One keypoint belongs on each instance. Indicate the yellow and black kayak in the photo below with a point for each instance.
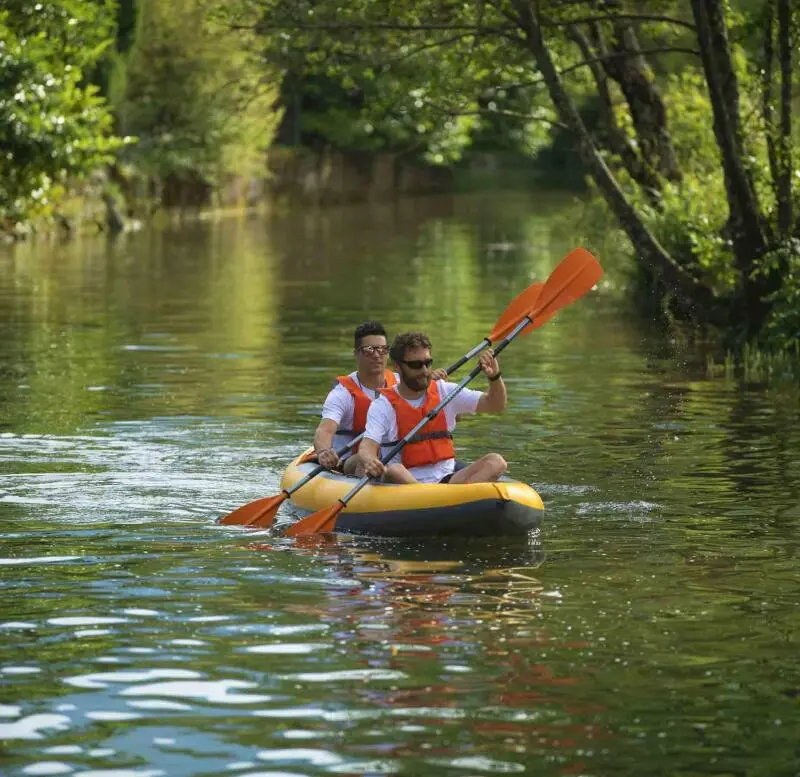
(477, 509)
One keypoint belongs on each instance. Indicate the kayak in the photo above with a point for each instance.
(391, 510)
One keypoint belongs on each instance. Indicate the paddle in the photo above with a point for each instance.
(518, 308)
(575, 275)
(261, 512)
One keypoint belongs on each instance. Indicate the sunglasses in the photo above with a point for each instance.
(371, 350)
(417, 364)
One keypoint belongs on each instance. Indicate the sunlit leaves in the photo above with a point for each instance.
(52, 125)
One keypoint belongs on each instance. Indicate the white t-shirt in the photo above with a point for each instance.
(339, 406)
(382, 426)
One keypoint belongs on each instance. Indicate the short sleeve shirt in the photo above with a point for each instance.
(382, 426)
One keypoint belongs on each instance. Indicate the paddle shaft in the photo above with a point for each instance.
(435, 411)
(467, 356)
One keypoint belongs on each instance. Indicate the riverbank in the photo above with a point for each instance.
(121, 199)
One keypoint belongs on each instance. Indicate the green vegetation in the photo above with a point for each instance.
(192, 91)
(53, 125)
(157, 87)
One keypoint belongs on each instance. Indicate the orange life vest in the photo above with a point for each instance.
(433, 442)
(361, 403)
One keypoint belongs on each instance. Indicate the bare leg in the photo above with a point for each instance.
(486, 469)
(397, 473)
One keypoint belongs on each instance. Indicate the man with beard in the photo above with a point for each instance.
(430, 456)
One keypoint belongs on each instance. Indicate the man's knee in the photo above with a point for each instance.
(397, 473)
(496, 463)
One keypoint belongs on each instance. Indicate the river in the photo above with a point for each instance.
(153, 383)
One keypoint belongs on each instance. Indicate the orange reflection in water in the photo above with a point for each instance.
(431, 618)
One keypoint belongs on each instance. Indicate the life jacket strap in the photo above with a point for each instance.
(421, 438)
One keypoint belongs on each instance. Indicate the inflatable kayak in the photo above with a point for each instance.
(477, 509)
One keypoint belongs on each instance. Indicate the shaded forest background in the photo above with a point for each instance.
(678, 119)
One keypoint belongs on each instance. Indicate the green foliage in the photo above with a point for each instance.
(782, 329)
(412, 78)
(196, 96)
(53, 126)
(689, 216)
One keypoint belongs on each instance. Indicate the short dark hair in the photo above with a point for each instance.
(405, 341)
(366, 329)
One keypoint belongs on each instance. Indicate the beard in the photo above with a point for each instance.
(417, 382)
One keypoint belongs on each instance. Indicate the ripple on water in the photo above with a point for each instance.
(43, 768)
(214, 691)
(131, 467)
(34, 726)
(104, 679)
(36, 560)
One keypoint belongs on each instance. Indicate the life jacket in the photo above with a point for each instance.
(433, 442)
(361, 403)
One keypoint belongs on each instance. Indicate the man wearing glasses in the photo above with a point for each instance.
(344, 413)
(430, 458)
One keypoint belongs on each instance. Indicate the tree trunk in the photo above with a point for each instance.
(618, 141)
(631, 71)
(654, 257)
(785, 142)
(746, 225)
(766, 93)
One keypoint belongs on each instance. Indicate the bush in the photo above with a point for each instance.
(53, 126)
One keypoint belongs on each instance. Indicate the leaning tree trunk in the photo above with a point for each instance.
(655, 258)
(618, 141)
(785, 143)
(631, 71)
(767, 110)
(746, 224)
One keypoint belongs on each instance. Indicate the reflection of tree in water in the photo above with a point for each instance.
(464, 623)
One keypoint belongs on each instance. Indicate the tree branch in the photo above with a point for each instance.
(595, 60)
(615, 17)
(382, 26)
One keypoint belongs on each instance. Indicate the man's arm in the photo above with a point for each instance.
(493, 400)
(323, 437)
(323, 441)
(370, 453)
(370, 448)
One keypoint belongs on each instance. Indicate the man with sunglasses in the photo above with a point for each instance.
(344, 412)
(430, 457)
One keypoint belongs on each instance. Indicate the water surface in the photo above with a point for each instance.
(151, 384)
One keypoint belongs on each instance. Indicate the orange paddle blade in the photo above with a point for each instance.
(259, 513)
(318, 522)
(575, 275)
(518, 308)
(525, 303)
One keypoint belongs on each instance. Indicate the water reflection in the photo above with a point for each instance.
(468, 617)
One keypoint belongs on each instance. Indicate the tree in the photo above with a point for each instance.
(53, 125)
(198, 99)
(722, 259)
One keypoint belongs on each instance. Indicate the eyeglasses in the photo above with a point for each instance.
(417, 364)
(372, 350)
